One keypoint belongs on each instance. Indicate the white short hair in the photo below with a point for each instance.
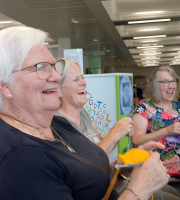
(15, 44)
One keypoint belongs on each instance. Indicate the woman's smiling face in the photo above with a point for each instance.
(29, 92)
(73, 87)
(168, 92)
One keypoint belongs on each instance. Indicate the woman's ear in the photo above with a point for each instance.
(5, 90)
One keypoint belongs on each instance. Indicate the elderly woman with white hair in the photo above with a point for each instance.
(157, 118)
(73, 98)
(40, 160)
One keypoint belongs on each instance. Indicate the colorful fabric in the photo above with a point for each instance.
(159, 118)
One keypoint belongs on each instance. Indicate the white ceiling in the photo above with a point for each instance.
(106, 21)
(123, 11)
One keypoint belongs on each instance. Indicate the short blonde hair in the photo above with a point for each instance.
(152, 90)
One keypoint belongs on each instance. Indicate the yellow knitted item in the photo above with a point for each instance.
(134, 156)
(130, 157)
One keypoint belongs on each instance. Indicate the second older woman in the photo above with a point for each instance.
(72, 101)
(157, 118)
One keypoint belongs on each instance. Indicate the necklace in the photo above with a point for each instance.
(42, 135)
(62, 141)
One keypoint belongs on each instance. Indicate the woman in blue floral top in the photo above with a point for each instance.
(157, 118)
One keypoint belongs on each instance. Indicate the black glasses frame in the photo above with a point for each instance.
(177, 81)
(50, 71)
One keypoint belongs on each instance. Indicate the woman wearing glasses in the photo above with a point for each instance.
(157, 118)
(40, 161)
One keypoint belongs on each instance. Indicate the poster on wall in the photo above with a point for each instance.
(76, 55)
(99, 115)
(101, 105)
(126, 95)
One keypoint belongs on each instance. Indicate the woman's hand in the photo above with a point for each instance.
(122, 127)
(173, 129)
(149, 146)
(149, 177)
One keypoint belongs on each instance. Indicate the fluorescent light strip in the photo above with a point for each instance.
(149, 12)
(145, 47)
(144, 54)
(154, 36)
(175, 63)
(150, 65)
(5, 22)
(156, 29)
(149, 58)
(149, 49)
(46, 43)
(148, 21)
(149, 61)
(150, 41)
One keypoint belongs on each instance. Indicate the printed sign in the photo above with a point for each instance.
(99, 115)
(126, 95)
(76, 55)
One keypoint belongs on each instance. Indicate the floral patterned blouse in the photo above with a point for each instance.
(159, 118)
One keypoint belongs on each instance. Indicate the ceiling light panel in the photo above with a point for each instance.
(155, 29)
(153, 36)
(5, 22)
(144, 54)
(150, 65)
(146, 41)
(148, 58)
(145, 47)
(149, 21)
(149, 12)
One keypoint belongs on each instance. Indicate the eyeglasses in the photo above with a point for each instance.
(167, 83)
(44, 69)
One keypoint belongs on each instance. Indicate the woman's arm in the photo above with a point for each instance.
(99, 135)
(149, 177)
(140, 127)
(121, 128)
